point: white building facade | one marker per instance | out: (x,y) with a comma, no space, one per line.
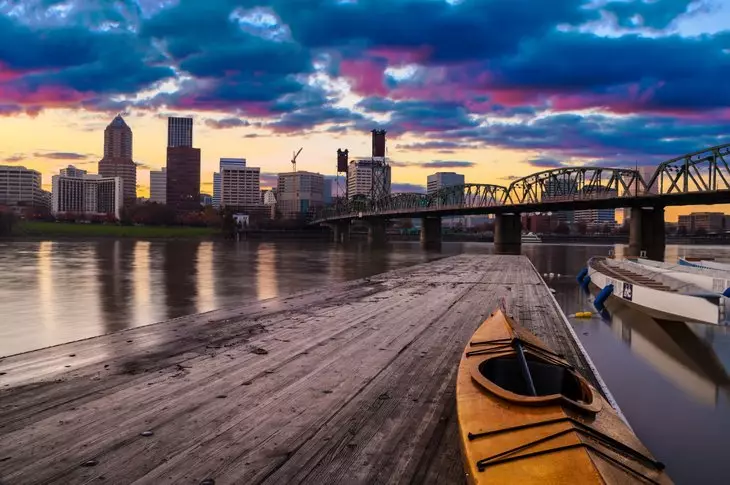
(439,180)
(158,186)
(20,186)
(240,186)
(360,178)
(224,163)
(90,195)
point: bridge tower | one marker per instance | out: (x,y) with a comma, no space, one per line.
(380,185)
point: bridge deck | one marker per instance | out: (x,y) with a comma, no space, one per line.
(346,384)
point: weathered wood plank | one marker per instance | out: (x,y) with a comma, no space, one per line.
(346,384)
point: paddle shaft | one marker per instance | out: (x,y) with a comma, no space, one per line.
(525,369)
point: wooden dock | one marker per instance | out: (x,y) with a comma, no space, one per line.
(346,384)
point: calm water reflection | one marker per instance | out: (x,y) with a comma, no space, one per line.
(670,378)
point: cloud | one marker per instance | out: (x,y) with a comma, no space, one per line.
(448,164)
(435,164)
(545,162)
(225,123)
(621,140)
(406,187)
(62,155)
(15,158)
(562,78)
(658,14)
(434,145)
(143,165)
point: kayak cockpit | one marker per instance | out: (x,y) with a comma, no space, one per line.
(548,378)
(524,373)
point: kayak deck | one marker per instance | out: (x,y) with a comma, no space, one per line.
(566,433)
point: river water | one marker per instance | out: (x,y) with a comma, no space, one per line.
(670,379)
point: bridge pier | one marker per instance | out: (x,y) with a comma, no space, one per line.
(431,233)
(376,232)
(507,234)
(341,231)
(646,233)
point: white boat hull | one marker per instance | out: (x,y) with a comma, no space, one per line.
(705,264)
(662,304)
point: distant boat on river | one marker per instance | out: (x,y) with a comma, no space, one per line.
(531,238)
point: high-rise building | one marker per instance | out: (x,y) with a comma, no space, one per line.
(360,178)
(598,216)
(158,186)
(20,186)
(206,200)
(117,161)
(179,132)
(88,195)
(240,187)
(327,191)
(299,194)
(183,166)
(439,180)
(224,162)
(72,171)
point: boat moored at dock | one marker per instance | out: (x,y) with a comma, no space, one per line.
(658,294)
(713,280)
(526,416)
(705,264)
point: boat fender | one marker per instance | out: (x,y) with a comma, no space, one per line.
(582,275)
(726,293)
(586,281)
(602,297)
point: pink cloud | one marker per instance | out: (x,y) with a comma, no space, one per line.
(366,76)
(396,57)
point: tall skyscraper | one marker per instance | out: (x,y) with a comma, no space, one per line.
(158,186)
(183,166)
(179,132)
(117,161)
(224,162)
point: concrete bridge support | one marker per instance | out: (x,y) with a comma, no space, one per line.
(376,232)
(341,231)
(508,234)
(431,233)
(646,232)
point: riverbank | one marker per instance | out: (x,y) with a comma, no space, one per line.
(36,229)
(345,383)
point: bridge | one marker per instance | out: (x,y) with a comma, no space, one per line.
(698,178)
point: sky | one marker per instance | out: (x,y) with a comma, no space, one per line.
(493,89)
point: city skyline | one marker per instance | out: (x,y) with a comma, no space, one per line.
(444,107)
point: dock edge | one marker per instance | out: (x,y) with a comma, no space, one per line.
(594,369)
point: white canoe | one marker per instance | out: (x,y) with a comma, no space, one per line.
(658,295)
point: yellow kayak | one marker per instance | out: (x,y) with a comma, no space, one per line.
(525,416)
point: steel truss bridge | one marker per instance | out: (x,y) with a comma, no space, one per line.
(701,177)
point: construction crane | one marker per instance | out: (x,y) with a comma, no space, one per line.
(294,159)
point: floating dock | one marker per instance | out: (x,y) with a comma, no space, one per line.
(352,383)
